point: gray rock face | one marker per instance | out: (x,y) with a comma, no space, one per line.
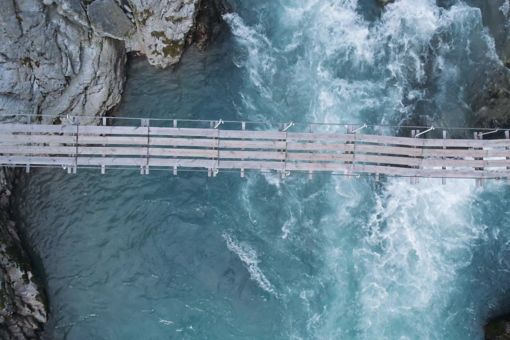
(22,308)
(108,19)
(162,29)
(53,66)
(60,57)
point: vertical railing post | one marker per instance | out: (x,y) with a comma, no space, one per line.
(348,164)
(243,128)
(443,180)
(507,136)
(77,121)
(144,169)
(29,122)
(413,135)
(479,180)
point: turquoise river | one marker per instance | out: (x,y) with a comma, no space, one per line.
(135,257)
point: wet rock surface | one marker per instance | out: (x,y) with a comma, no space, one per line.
(496,16)
(209,22)
(490,101)
(498,329)
(22,307)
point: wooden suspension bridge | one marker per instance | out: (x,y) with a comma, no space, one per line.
(215,149)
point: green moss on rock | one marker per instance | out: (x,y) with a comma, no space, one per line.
(145,15)
(172,48)
(175,19)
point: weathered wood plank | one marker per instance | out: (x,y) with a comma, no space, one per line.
(23,160)
(36,128)
(246,134)
(10,139)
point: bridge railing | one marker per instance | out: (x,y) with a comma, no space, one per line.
(331,127)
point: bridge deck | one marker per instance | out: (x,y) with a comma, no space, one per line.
(75,146)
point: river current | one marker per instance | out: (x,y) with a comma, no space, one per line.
(189,257)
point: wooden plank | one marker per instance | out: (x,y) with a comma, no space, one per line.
(111,140)
(317,157)
(141,130)
(36,128)
(188,132)
(438,143)
(114,130)
(388,150)
(319,167)
(200,153)
(111,161)
(183,163)
(251,155)
(23,160)
(239,134)
(459,163)
(252,165)
(11,139)
(407,161)
(314,146)
(298,136)
(38,150)
(440,153)
(231,144)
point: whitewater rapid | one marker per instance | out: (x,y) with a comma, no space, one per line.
(394,252)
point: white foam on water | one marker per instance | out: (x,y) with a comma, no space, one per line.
(166,322)
(505,8)
(286,228)
(417,239)
(249,258)
(258,61)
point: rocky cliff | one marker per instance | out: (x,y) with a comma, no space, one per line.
(61,57)
(22,308)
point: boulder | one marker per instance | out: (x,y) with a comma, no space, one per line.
(491,103)
(108,19)
(162,29)
(498,329)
